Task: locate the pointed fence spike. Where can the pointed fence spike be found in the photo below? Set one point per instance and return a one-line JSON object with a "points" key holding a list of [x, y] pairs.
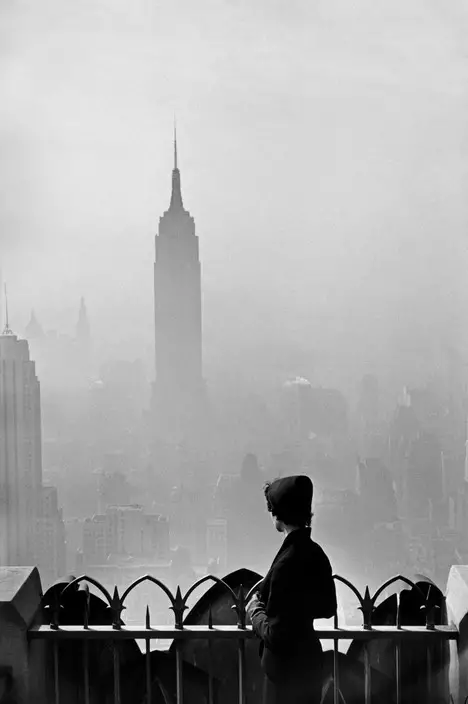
{"points": [[86, 613], [55, 611], [178, 607], [117, 609], [398, 610], [210, 618], [367, 607], [148, 622], [241, 615]]}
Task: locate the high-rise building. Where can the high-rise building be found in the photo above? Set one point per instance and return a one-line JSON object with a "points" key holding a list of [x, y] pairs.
{"points": [[20, 451], [178, 315], [50, 536], [31, 524], [83, 330], [33, 330]]}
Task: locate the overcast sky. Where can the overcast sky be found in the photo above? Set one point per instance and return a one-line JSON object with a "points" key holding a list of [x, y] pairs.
{"points": [[323, 151]]}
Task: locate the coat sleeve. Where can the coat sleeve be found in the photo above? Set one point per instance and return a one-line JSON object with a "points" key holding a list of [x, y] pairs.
{"points": [[277, 621]]}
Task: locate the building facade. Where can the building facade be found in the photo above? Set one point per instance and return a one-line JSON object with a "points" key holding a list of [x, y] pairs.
{"points": [[20, 451], [178, 314], [50, 536], [31, 523], [124, 532]]}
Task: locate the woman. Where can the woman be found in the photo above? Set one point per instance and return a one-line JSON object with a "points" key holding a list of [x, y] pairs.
{"points": [[297, 589]]}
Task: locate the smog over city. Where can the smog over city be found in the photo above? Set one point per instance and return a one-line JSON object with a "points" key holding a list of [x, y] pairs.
{"points": [[233, 250]]}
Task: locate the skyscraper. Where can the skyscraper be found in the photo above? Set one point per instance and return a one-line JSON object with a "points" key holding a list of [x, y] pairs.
{"points": [[20, 451], [83, 330], [31, 523], [178, 317]]}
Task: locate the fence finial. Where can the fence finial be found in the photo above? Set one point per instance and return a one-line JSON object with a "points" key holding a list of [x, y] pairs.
{"points": [[117, 608], [178, 607]]}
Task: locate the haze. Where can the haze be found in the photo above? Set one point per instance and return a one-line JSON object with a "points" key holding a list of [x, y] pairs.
{"points": [[322, 152], [323, 155]]}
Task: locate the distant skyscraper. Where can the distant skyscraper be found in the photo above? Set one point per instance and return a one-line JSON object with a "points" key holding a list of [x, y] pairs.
{"points": [[33, 330], [20, 451], [178, 315], [83, 330]]}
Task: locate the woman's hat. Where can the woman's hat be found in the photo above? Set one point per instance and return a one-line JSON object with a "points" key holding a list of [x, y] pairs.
{"points": [[291, 494]]}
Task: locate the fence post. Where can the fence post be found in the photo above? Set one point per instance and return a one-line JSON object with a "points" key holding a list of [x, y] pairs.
{"points": [[20, 599], [457, 614]]}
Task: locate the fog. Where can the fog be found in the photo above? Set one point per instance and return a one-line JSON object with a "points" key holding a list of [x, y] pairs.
{"points": [[323, 155], [322, 149]]}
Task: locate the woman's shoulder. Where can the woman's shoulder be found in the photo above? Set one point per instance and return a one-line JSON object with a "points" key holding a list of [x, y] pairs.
{"points": [[316, 547], [318, 554], [300, 550]]}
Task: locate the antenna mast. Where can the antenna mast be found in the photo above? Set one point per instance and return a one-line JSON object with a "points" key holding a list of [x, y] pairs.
{"points": [[6, 329], [175, 144]]}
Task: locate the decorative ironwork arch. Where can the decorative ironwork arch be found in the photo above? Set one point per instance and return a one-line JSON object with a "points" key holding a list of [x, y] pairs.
{"points": [[91, 580], [153, 580], [213, 578]]}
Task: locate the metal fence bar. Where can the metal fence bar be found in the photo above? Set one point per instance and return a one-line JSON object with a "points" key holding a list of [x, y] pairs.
{"points": [[406, 633], [336, 674], [398, 653], [148, 656], [241, 670], [431, 639], [56, 674], [367, 677], [179, 675], [398, 672], [116, 657], [210, 673], [148, 671], [86, 671], [429, 672]]}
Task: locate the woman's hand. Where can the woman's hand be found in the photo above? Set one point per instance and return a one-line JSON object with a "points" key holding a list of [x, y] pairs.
{"points": [[254, 604]]}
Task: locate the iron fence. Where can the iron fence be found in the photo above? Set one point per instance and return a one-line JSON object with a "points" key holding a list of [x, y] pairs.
{"points": [[430, 635]]}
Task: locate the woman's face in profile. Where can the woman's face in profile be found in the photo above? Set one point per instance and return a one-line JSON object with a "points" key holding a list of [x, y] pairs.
{"points": [[278, 524]]}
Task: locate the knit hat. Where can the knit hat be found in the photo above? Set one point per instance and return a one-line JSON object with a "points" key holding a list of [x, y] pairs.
{"points": [[290, 495]]}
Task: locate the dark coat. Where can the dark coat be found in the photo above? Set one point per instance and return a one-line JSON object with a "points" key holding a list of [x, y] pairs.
{"points": [[297, 589]]}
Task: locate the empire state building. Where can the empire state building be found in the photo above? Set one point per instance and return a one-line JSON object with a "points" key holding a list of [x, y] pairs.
{"points": [[179, 386]]}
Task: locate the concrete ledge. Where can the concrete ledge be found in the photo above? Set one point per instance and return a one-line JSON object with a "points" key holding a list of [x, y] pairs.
{"points": [[20, 600], [20, 594]]}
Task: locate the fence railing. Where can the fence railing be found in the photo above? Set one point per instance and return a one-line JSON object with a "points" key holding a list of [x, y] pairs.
{"points": [[428, 640]]}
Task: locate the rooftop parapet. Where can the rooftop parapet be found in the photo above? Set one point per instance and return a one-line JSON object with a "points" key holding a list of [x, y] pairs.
{"points": [[54, 658]]}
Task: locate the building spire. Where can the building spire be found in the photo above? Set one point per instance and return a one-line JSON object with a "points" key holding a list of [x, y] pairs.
{"points": [[6, 329], [176, 195]]}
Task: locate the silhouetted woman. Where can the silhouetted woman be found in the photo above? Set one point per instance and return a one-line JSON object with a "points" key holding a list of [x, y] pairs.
{"points": [[297, 589]]}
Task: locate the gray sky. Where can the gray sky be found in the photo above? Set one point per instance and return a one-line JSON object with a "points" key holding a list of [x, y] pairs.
{"points": [[323, 151]]}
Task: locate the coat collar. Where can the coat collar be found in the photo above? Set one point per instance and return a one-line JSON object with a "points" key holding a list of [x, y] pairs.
{"points": [[296, 536]]}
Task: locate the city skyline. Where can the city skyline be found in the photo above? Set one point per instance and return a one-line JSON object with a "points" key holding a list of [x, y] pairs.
{"points": [[233, 352], [325, 229], [304, 293]]}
